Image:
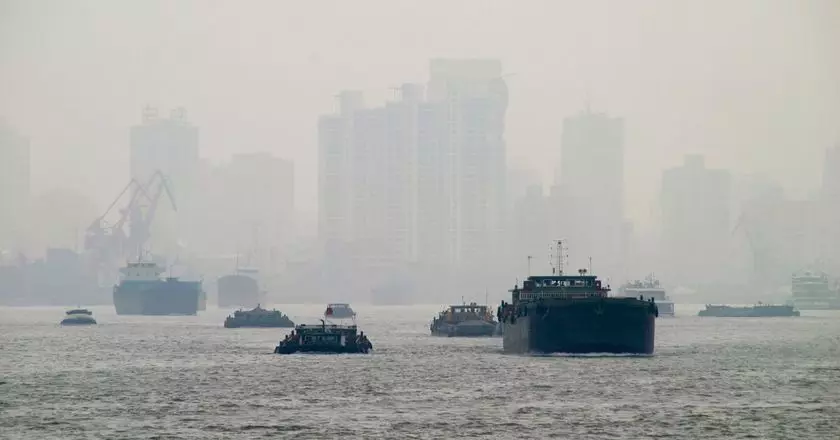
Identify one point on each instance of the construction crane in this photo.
(140, 221)
(110, 242)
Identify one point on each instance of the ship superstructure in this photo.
(812, 290)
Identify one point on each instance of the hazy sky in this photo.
(753, 84)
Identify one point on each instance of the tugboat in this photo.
(258, 317)
(561, 313)
(812, 291)
(650, 288)
(464, 320)
(340, 311)
(324, 338)
(757, 311)
(78, 317)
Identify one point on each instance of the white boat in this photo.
(339, 311)
(650, 288)
(78, 317)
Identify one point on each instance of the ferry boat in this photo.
(142, 291)
(561, 313)
(258, 317)
(813, 291)
(340, 311)
(78, 317)
(757, 311)
(650, 288)
(464, 321)
(324, 338)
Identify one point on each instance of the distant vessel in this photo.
(812, 291)
(756, 311)
(141, 291)
(258, 317)
(324, 338)
(78, 317)
(339, 311)
(240, 289)
(650, 288)
(464, 320)
(561, 313)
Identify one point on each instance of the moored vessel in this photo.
(324, 338)
(757, 311)
(142, 291)
(258, 317)
(812, 290)
(240, 289)
(562, 313)
(464, 321)
(650, 287)
(78, 317)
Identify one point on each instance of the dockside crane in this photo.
(110, 243)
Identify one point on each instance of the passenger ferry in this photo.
(813, 291)
(324, 338)
(650, 288)
(78, 317)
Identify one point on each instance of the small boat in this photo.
(324, 338)
(258, 317)
(465, 320)
(757, 311)
(339, 311)
(78, 317)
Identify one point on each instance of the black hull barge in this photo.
(574, 314)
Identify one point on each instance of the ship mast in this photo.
(558, 270)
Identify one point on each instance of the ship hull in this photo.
(240, 324)
(238, 291)
(666, 309)
(465, 329)
(170, 297)
(596, 325)
(817, 305)
(744, 312)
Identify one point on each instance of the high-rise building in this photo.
(695, 222)
(14, 187)
(468, 100)
(168, 145)
(591, 180)
(250, 210)
(335, 135)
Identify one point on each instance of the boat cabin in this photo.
(560, 286)
(466, 312)
(326, 334)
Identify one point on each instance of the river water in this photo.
(190, 378)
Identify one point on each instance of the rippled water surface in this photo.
(190, 378)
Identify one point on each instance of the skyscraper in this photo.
(169, 145)
(464, 126)
(335, 136)
(14, 187)
(591, 182)
(695, 222)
